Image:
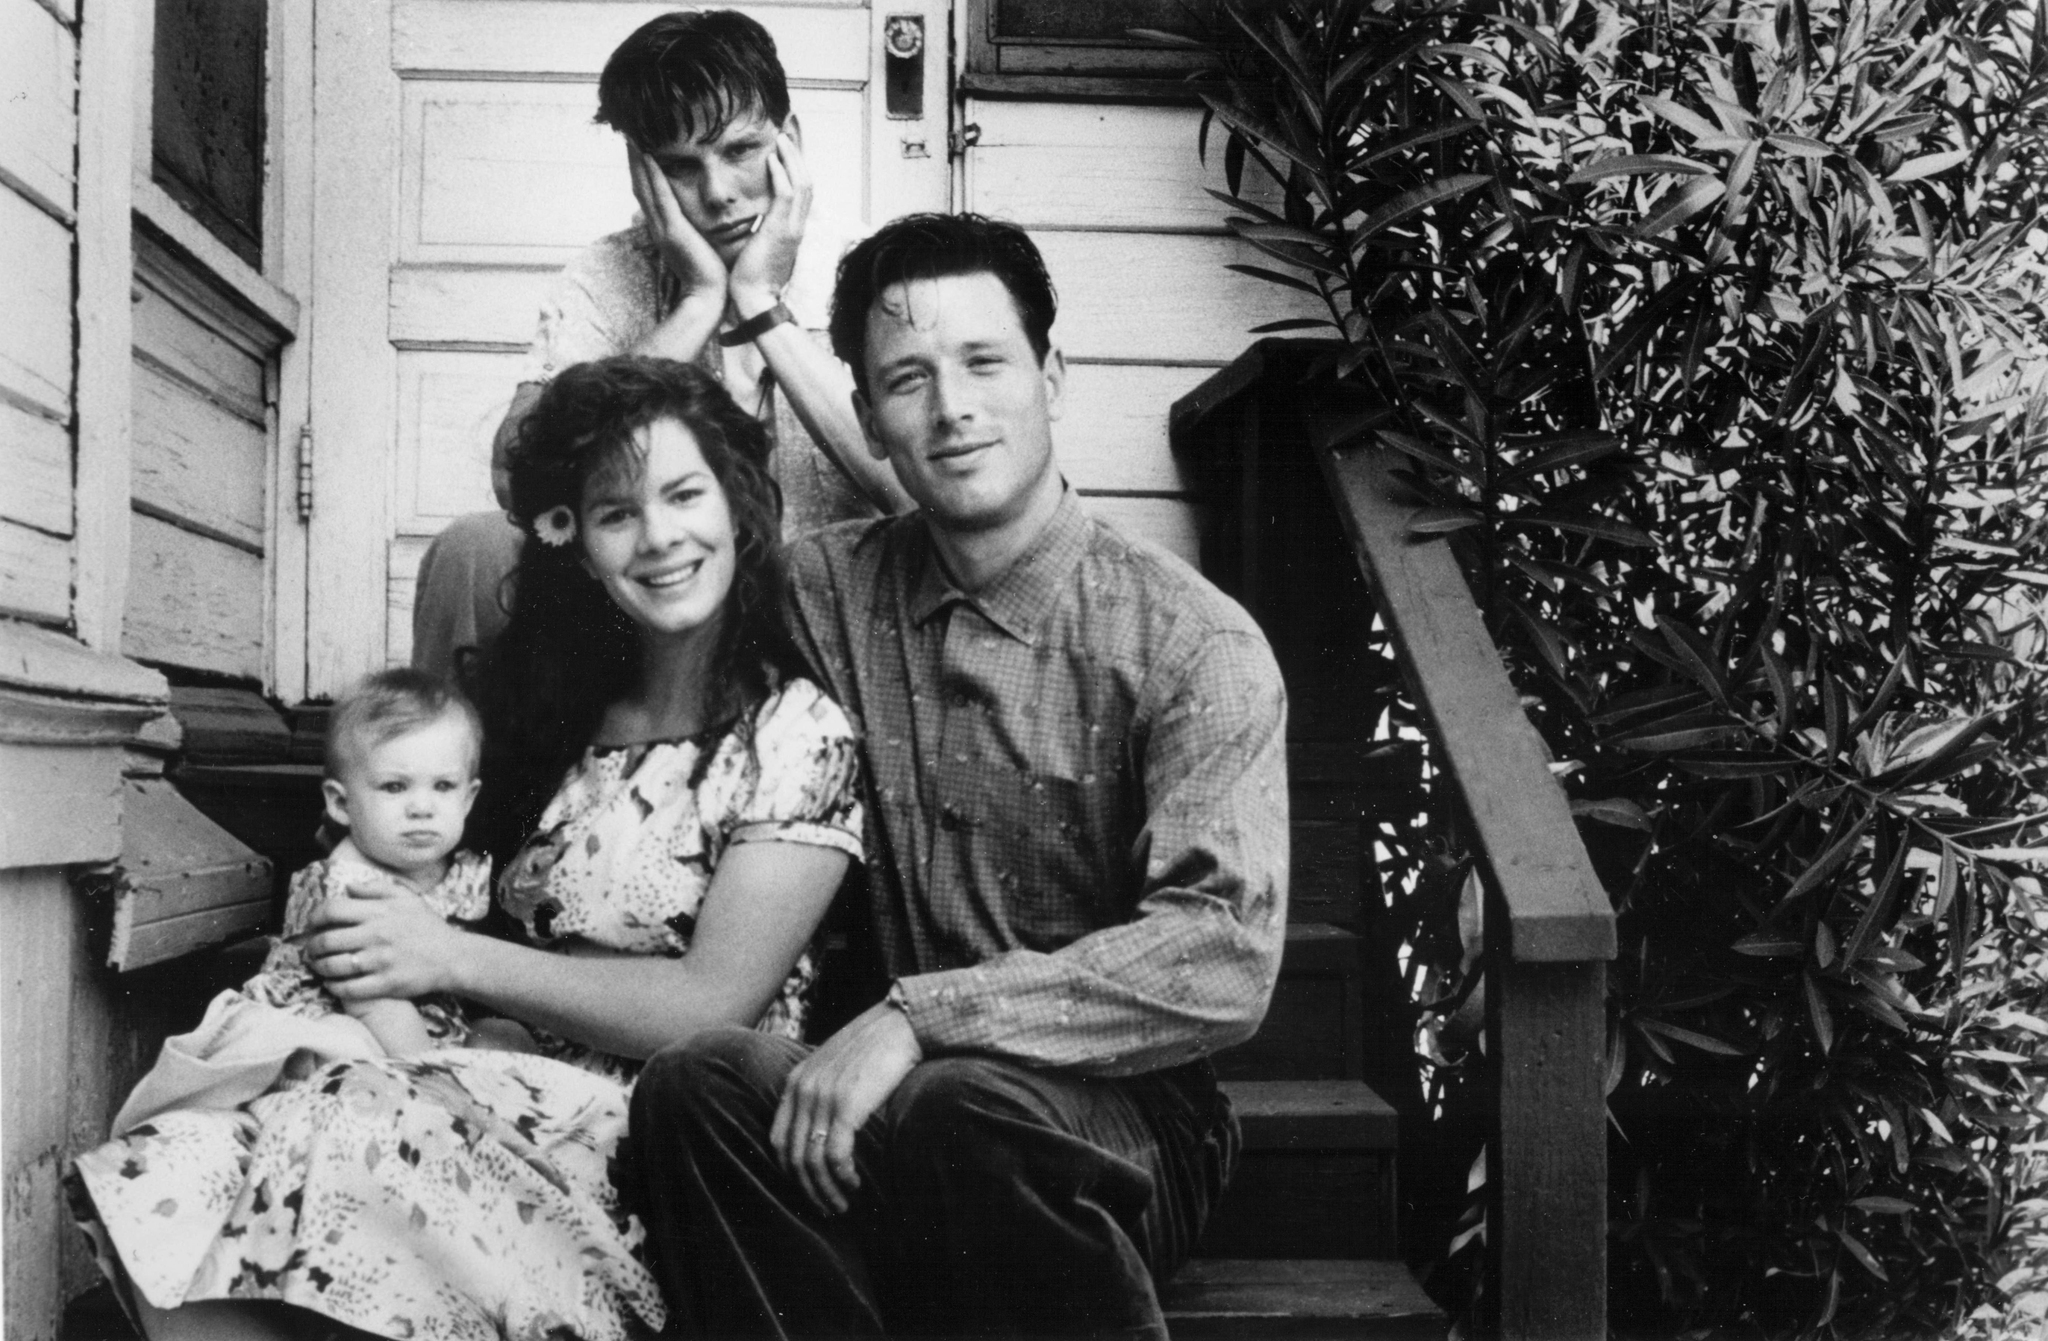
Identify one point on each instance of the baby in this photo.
(401, 765)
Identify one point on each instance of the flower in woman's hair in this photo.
(556, 526)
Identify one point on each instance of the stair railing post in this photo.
(1546, 1176)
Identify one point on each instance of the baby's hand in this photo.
(502, 1035)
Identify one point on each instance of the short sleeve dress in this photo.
(466, 1195)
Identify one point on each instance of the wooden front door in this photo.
(456, 169)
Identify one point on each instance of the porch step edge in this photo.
(1313, 1115)
(1301, 1298)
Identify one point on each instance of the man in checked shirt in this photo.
(1077, 852)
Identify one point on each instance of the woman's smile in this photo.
(660, 536)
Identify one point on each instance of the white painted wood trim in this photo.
(108, 63)
(288, 259)
(356, 119)
(154, 206)
(66, 714)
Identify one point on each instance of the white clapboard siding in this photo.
(35, 573)
(1111, 434)
(1173, 524)
(35, 470)
(35, 305)
(513, 172)
(449, 405)
(198, 461)
(193, 601)
(493, 38)
(1159, 296)
(187, 342)
(1092, 165)
(38, 103)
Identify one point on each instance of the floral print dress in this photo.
(465, 1195)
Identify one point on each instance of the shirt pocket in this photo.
(1047, 848)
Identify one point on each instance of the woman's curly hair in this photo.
(569, 651)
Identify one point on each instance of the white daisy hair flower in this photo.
(556, 526)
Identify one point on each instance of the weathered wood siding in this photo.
(38, 214)
(203, 438)
(1116, 197)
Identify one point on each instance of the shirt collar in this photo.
(1017, 600)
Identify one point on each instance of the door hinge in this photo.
(960, 141)
(306, 473)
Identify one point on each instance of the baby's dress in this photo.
(466, 1195)
(288, 982)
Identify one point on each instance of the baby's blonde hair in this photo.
(387, 705)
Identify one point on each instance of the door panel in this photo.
(457, 170)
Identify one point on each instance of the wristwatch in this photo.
(756, 326)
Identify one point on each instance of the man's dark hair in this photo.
(691, 73)
(931, 246)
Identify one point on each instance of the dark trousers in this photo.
(995, 1200)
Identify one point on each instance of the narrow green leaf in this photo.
(1733, 764)
(1769, 945)
(1416, 200)
(1679, 204)
(1291, 324)
(1872, 920)
(1884, 1205)
(1861, 1254)
(1636, 165)
(1926, 165)
(1781, 688)
(1665, 742)
(1678, 116)
(1602, 528)
(1799, 146)
(1706, 676)
(1616, 810)
(1693, 1038)
(1411, 446)
(1829, 861)
(1437, 521)
(1818, 1014)
(1562, 452)
(1945, 881)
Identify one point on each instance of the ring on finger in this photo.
(817, 1135)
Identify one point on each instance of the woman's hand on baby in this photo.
(382, 941)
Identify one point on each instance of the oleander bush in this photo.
(1710, 335)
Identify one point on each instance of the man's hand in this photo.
(832, 1093)
(383, 941)
(762, 269)
(683, 250)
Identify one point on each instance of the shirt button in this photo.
(950, 818)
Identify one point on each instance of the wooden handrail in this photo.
(1549, 925)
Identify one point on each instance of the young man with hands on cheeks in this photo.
(1077, 851)
(728, 267)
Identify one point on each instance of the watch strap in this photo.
(756, 326)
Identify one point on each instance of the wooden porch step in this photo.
(1313, 1028)
(1301, 1300)
(1316, 1176)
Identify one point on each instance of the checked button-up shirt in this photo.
(1077, 822)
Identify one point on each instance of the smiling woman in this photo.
(679, 807)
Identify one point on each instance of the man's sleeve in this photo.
(1192, 973)
(589, 311)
